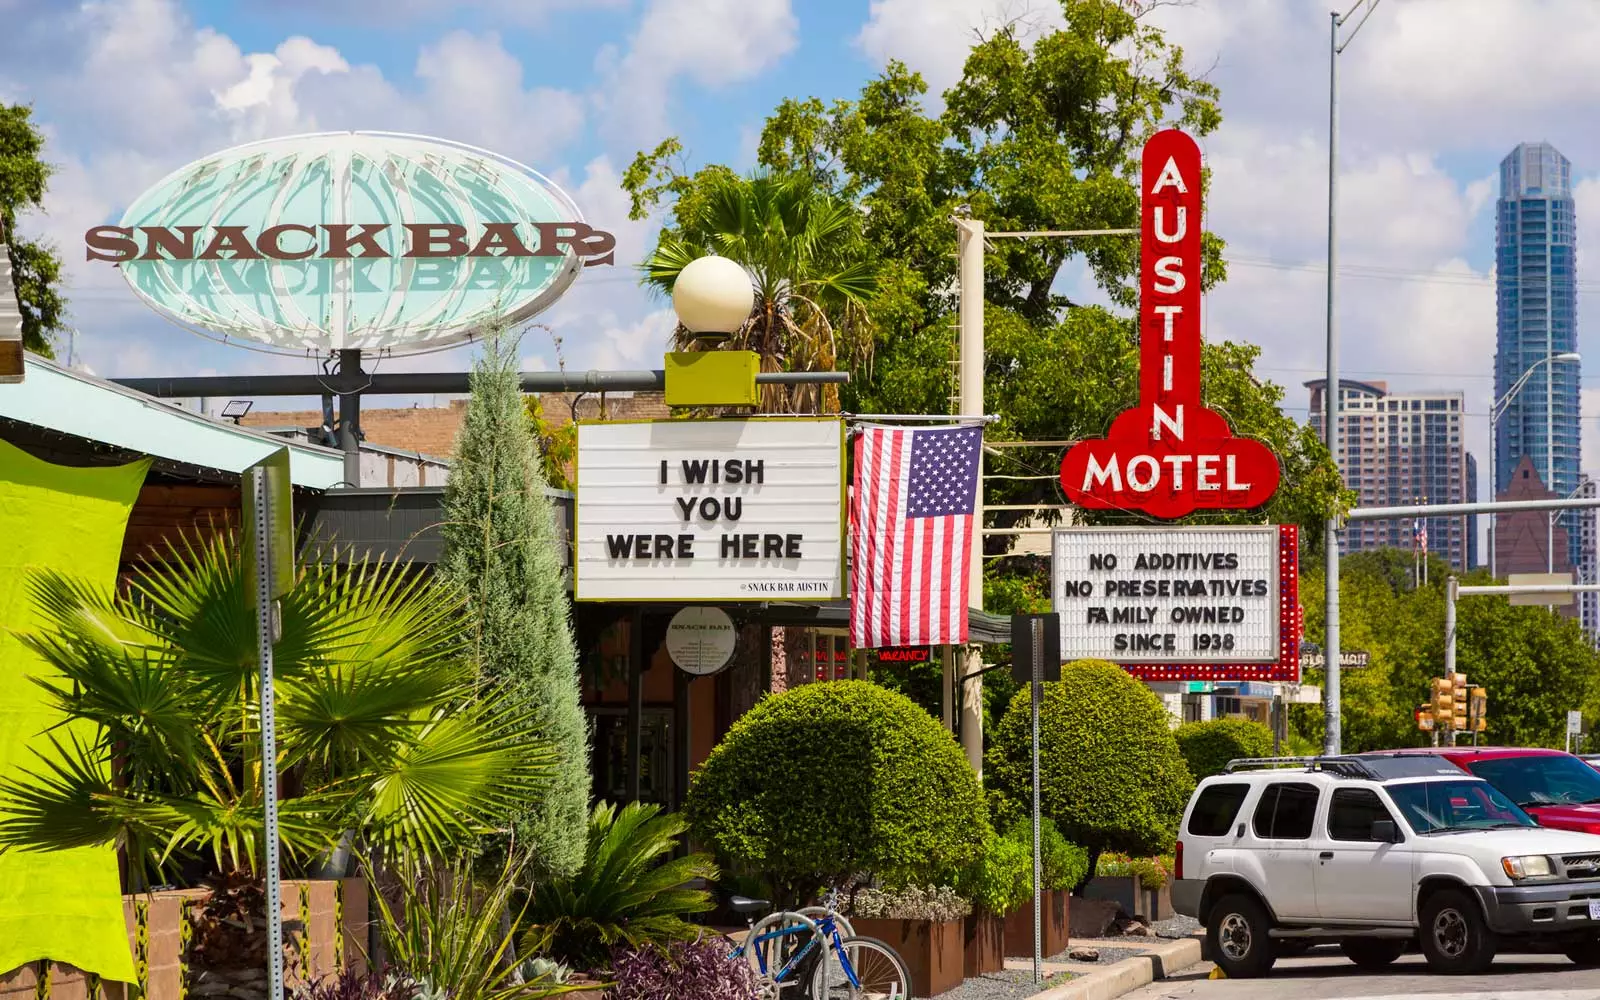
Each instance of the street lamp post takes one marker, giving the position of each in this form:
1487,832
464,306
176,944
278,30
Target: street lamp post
1332,393
1498,411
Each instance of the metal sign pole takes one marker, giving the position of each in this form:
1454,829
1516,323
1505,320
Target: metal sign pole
1037,634
266,621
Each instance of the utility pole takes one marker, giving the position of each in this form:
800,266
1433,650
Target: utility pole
971,356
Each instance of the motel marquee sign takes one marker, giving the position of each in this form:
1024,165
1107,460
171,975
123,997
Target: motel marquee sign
1170,456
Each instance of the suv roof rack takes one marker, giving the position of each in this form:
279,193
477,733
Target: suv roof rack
1350,767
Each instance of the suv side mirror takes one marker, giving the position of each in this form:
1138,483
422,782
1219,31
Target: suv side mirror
1385,832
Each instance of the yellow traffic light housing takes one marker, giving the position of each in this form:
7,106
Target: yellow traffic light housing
1478,709
1444,702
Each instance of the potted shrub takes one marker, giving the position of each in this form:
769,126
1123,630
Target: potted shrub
924,925
1138,885
838,784
1111,775
1064,865
996,884
1208,746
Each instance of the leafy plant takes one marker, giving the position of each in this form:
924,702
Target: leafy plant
381,727
683,970
1208,746
457,933
229,928
1064,863
1111,775
1152,873
347,984
1001,878
625,894
913,902
825,781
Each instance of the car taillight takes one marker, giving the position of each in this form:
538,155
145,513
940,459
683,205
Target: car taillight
1177,861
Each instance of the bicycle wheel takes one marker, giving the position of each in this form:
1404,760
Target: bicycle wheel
876,972
817,912
773,943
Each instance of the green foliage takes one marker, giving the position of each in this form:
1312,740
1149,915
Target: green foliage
1111,776
1152,873
1001,877
802,247
35,266
830,781
1208,746
1534,664
558,446
455,933
502,550
380,727
626,894
1063,863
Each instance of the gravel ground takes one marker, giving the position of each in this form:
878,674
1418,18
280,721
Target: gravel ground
1109,955
1010,984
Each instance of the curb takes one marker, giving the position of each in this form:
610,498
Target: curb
1128,974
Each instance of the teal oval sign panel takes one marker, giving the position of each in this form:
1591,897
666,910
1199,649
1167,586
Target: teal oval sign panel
377,241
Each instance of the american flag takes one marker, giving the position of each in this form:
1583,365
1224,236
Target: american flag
1419,535
911,535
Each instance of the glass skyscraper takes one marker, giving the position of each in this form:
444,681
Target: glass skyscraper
1536,299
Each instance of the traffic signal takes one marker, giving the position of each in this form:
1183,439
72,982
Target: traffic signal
1478,702
1459,702
1424,716
1443,703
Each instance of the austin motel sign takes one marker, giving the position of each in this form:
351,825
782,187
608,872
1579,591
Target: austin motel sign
1169,455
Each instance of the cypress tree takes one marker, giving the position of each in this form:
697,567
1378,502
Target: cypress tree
502,549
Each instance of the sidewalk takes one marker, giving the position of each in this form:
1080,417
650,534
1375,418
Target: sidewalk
1102,981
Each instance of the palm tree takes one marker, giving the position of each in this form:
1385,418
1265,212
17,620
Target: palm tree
813,280
382,728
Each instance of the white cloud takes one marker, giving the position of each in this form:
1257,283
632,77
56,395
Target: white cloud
934,36
714,43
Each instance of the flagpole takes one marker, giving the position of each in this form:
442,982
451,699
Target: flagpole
970,316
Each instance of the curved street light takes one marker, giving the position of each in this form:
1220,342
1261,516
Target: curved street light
1498,411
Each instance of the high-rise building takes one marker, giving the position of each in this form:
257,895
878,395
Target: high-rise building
1536,317
1472,519
1400,448
1587,569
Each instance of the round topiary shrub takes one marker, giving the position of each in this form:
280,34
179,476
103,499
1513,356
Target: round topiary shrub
1208,746
1110,773
829,781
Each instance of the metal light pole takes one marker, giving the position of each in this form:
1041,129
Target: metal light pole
1495,413
1332,393
971,357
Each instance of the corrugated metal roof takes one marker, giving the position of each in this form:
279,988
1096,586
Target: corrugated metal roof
76,403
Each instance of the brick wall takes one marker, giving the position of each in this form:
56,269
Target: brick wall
432,430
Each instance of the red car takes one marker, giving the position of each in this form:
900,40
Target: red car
1559,790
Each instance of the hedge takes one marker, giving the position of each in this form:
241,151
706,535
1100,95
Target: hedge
1063,863
1001,878
1208,746
1111,776
831,781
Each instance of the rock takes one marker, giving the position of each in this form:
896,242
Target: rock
1133,928
1083,954
211,989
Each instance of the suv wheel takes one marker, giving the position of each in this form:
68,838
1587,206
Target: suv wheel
1372,953
1455,939
1237,936
1586,953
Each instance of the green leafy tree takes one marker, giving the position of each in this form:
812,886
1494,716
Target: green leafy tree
381,727
1110,774
1535,665
502,550
35,266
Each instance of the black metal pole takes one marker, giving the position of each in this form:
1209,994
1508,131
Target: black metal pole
350,417
635,736
426,383
682,684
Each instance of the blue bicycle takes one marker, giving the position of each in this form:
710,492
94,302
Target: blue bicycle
814,952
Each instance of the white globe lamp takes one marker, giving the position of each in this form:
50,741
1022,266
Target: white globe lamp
713,297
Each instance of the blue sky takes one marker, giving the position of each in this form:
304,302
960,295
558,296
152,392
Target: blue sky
1435,93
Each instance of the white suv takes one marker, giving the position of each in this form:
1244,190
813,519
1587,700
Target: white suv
1376,852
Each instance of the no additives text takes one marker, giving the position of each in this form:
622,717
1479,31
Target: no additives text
1142,581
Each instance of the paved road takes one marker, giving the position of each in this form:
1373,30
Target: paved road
1325,975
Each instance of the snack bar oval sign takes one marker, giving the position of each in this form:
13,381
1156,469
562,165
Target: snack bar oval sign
382,242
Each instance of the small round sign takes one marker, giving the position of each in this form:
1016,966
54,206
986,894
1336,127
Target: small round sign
700,640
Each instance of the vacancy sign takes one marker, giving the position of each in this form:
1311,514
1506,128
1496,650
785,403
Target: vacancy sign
1189,603
710,510
1169,456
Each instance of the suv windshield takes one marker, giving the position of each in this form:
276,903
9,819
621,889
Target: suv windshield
1446,805
1541,779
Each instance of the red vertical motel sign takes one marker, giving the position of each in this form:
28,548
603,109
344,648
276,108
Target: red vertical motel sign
1169,455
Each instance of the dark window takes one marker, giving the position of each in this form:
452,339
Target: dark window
1352,813
1540,779
1286,811
1215,809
